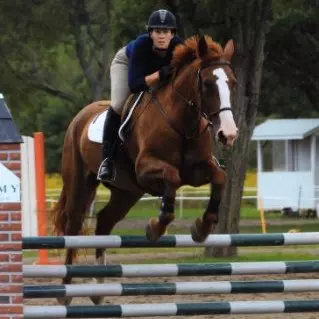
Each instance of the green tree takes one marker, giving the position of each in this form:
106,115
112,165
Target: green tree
55,59
291,81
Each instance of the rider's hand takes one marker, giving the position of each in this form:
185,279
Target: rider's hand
165,72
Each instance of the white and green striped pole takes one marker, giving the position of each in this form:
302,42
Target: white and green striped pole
171,309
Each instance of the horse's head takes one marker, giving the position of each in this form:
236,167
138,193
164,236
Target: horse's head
215,81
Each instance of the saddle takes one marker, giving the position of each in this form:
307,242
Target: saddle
95,130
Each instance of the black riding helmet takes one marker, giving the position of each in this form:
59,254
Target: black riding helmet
161,19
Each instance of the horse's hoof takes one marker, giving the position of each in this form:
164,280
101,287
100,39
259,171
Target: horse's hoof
150,232
64,301
196,235
97,300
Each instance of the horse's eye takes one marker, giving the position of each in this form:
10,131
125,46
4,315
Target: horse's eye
209,84
234,82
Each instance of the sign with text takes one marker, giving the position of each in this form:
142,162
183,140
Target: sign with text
9,186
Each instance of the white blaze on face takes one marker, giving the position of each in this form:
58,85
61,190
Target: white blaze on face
227,123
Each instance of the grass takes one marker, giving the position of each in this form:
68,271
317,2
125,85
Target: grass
257,257
196,255
243,229
281,228
144,209
190,210
184,208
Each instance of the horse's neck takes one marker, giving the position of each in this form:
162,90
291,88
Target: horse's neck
184,84
174,98
185,91
178,101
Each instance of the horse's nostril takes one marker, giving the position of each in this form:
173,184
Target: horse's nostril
222,137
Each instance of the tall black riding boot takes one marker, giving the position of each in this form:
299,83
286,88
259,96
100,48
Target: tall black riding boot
110,141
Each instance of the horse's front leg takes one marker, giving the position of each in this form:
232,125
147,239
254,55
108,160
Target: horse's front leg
202,227
162,177
156,227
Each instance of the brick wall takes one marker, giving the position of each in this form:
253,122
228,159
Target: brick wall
11,279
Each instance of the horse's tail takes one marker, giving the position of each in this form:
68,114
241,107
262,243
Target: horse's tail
69,211
59,214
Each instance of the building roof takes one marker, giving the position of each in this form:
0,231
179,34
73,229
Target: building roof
286,129
8,130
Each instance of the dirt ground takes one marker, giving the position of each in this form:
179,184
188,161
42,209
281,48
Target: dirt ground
189,298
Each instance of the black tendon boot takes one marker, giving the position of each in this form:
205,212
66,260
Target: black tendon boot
110,141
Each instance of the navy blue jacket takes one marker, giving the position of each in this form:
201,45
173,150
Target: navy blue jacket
143,61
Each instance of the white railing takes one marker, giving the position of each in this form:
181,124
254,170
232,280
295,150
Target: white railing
56,191
182,195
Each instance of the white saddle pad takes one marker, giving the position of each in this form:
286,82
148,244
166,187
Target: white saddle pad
95,131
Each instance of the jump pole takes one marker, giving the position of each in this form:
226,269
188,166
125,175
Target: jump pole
172,309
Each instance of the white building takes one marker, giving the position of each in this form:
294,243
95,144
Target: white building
288,163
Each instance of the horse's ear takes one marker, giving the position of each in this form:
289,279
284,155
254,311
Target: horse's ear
202,47
229,50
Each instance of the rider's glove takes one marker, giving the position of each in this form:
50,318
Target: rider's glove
165,72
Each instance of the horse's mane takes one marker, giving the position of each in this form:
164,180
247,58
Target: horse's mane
187,52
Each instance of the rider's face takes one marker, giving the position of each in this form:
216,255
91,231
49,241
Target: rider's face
161,38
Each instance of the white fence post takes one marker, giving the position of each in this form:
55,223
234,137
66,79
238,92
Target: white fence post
28,191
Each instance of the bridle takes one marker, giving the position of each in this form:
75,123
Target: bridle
192,102
199,85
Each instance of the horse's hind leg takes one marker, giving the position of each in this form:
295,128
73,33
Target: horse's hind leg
75,220
118,206
205,225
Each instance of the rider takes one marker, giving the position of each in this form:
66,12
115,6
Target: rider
136,67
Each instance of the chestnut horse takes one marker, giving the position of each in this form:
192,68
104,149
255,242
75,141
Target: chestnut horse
169,144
